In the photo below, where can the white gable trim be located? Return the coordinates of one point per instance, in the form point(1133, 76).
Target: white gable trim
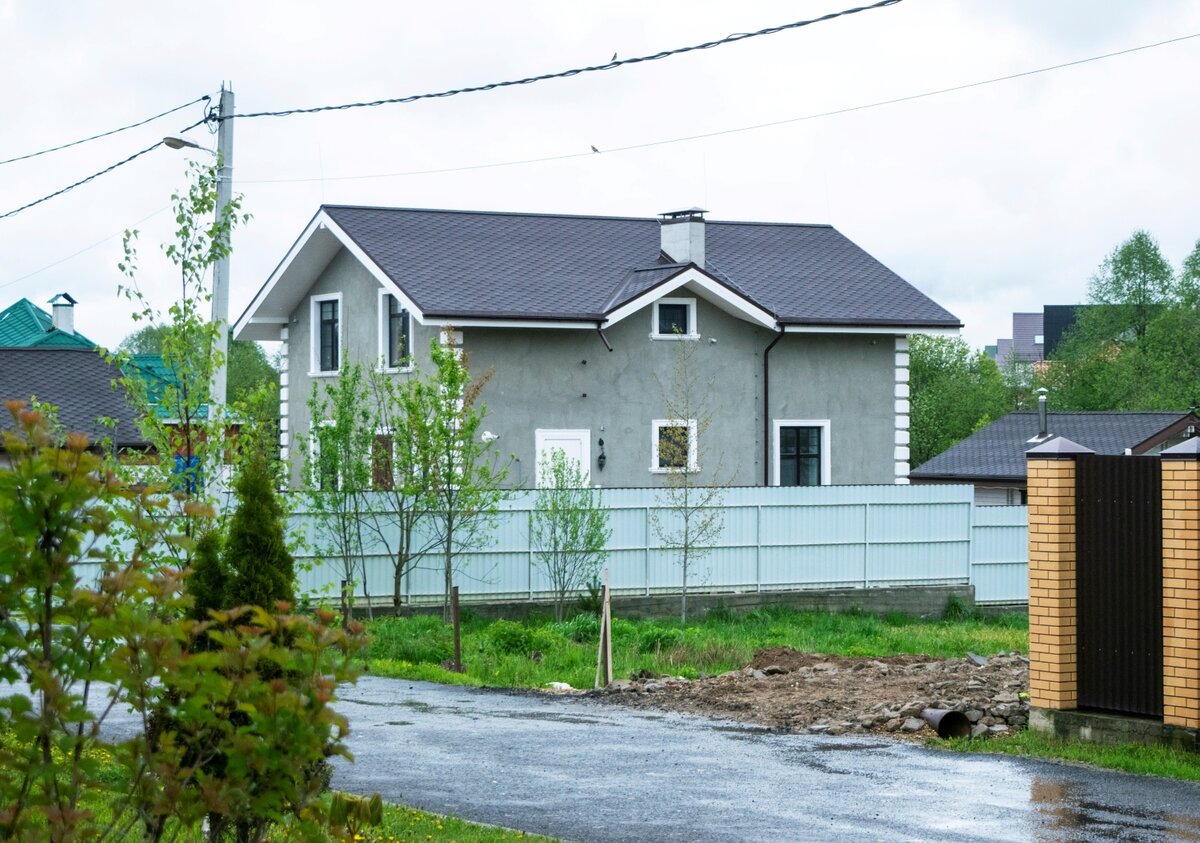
point(707, 288)
point(382, 277)
point(319, 223)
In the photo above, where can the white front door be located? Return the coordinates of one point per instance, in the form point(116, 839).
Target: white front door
point(576, 444)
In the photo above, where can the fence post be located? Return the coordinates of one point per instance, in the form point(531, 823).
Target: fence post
point(1053, 677)
point(1181, 584)
point(529, 544)
point(866, 544)
point(758, 549)
point(646, 548)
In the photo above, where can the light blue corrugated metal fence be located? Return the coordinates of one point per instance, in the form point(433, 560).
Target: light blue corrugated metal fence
point(773, 539)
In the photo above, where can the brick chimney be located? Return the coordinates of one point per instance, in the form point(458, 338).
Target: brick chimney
point(683, 235)
point(62, 313)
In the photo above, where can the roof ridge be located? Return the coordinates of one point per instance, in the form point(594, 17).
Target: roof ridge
point(549, 215)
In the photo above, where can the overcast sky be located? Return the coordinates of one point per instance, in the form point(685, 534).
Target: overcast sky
point(991, 200)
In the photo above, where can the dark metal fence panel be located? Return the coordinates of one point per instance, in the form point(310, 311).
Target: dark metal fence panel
point(1119, 583)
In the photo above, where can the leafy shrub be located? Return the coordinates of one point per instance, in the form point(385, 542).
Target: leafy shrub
point(653, 638)
point(510, 637)
point(957, 609)
point(581, 629)
point(422, 638)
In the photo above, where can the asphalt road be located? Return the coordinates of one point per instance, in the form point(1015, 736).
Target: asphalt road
point(585, 771)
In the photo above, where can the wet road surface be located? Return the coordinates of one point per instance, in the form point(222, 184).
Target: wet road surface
point(576, 769)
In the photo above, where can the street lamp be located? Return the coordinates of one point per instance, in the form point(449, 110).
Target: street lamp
point(184, 143)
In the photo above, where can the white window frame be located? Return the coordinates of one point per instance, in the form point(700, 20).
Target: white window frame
point(694, 328)
point(693, 445)
point(314, 334)
point(826, 460)
point(383, 366)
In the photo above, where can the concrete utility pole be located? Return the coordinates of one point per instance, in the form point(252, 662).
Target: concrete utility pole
point(220, 285)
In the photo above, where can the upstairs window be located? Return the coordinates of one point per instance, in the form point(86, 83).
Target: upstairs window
point(326, 333)
point(395, 335)
point(674, 319)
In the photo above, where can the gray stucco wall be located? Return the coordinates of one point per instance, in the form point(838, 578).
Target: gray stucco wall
point(568, 379)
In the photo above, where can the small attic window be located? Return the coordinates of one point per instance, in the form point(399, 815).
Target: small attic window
point(674, 319)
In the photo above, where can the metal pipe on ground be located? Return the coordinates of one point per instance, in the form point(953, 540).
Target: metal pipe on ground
point(947, 722)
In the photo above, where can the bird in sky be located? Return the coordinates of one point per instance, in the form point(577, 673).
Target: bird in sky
point(614, 58)
point(594, 149)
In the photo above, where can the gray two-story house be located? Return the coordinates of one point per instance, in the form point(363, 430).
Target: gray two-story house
point(801, 335)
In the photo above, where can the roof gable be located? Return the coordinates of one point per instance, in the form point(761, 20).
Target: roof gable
point(998, 450)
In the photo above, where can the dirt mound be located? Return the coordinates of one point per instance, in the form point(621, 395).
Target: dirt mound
point(809, 692)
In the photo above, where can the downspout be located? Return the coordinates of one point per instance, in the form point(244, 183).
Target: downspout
point(603, 339)
point(767, 408)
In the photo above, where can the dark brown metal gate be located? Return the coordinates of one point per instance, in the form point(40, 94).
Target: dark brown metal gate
point(1119, 583)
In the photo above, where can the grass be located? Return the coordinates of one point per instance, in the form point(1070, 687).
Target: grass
point(539, 651)
point(403, 824)
point(1126, 757)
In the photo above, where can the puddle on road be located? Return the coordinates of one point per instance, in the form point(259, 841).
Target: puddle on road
point(1058, 810)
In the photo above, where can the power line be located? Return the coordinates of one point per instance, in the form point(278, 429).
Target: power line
point(529, 80)
point(106, 170)
point(99, 242)
point(750, 128)
point(104, 134)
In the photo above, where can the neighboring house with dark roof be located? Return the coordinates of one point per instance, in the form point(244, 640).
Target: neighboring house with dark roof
point(79, 383)
point(801, 331)
point(993, 458)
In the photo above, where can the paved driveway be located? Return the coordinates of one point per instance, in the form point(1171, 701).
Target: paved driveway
point(583, 771)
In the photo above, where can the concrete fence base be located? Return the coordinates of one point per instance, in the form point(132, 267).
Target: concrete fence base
point(921, 600)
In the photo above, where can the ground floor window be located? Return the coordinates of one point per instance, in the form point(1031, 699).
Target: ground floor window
point(673, 445)
point(802, 452)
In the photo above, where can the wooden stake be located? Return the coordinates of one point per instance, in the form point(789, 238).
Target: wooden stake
point(457, 638)
point(608, 665)
point(604, 649)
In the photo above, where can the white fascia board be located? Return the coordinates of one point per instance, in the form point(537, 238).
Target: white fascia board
point(705, 286)
point(476, 322)
point(286, 281)
point(273, 281)
point(382, 277)
point(893, 330)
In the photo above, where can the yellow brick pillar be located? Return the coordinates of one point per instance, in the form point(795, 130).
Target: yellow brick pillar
point(1181, 584)
point(1050, 469)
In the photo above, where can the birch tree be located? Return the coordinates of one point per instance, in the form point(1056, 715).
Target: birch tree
point(568, 527)
point(689, 519)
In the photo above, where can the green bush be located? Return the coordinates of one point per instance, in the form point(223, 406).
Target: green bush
point(419, 639)
point(509, 637)
point(581, 629)
point(653, 638)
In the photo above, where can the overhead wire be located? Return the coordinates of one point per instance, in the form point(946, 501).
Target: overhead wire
point(212, 117)
point(76, 254)
point(103, 134)
point(735, 130)
point(563, 74)
point(96, 175)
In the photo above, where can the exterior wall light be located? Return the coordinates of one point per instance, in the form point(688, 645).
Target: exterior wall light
point(602, 459)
